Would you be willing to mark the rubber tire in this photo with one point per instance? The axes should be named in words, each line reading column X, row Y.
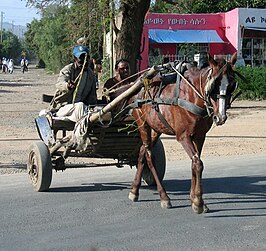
column 39, row 166
column 159, row 161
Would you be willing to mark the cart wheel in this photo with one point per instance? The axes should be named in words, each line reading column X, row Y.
column 158, row 158
column 39, row 166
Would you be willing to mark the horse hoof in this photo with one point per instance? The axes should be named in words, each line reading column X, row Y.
column 133, row 197
column 197, row 209
column 166, row 204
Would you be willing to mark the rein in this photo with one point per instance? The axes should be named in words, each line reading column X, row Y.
column 107, row 92
column 129, row 77
column 79, row 77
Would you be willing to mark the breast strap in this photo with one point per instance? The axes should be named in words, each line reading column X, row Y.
column 138, row 103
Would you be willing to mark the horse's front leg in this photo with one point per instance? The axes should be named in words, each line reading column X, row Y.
column 196, row 191
column 197, row 167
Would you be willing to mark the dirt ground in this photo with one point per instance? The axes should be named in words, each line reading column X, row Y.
column 244, row 132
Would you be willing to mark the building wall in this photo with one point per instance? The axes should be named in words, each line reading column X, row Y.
column 236, row 20
column 229, row 26
column 182, row 22
column 231, row 29
column 252, row 28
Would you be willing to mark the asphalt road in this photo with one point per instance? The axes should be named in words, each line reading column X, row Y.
column 88, row 209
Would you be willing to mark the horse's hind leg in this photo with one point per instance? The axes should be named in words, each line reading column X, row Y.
column 134, row 193
column 165, row 200
column 197, row 167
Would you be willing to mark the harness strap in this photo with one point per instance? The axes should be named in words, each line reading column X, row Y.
column 161, row 117
column 192, row 108
column 178, row 79
column 184, row 104
column 137, row 103
column 156, row 101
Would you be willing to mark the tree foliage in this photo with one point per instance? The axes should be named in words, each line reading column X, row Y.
column 11, row 46
column 62, row 25
column 48, row 37
column 87, row 19
column 203, row 6
column 255, row 85
column 64, row 21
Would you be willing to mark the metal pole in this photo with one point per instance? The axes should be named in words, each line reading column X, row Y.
column 112, row 9
column 112, row 49
column 1, row 35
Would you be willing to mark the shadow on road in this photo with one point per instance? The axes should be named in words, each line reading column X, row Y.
column 18, row 166
column 242, row 196
column 91, row 187
column 245, row 195
column 247, row 185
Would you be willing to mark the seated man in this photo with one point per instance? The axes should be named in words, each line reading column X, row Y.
column 75, row 92
column 122, row 72
column 76, row 88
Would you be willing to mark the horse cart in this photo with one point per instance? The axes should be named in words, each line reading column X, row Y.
column 102, row 134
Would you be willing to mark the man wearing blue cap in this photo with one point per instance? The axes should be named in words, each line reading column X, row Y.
column 76, row 87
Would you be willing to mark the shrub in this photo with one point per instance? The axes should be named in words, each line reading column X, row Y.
column 255, row 85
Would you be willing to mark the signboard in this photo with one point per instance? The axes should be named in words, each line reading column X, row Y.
column 183, row 21
column 252, row 18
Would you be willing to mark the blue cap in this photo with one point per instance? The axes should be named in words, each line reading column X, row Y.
column 80, row 49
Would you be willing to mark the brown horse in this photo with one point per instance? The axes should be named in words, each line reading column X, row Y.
column 185, row 105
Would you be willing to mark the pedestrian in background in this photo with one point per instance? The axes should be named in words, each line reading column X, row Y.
column 24, row 64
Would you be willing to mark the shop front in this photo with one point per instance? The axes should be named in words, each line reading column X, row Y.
column 252, row 38
column 169, row 37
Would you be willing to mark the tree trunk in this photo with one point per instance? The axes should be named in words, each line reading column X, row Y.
column 128, row 39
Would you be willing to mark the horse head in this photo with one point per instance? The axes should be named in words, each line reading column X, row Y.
column 219, row 87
